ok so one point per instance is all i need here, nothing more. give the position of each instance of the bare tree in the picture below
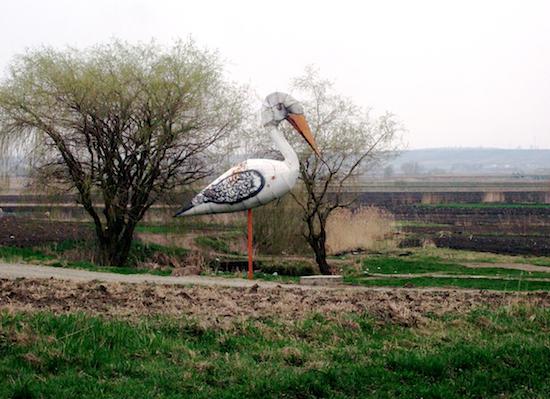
(119, 122)
(351, 141)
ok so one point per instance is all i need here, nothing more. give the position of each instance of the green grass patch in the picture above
(14, 254)
(31, 255)
(482, 354)
(161, 229)
(477, 283)
(112, 269)
(461, 256)
(52, 255)
(419, 263)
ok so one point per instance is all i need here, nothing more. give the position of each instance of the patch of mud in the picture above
(219, 306)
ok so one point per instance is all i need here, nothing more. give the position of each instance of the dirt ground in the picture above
(222, 306)
(22, 231)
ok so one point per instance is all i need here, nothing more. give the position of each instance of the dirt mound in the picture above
(21, 231)
(218, 306)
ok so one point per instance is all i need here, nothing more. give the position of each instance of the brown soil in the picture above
(21, 231)
(503, 230)
(511, 245)
(222, 306)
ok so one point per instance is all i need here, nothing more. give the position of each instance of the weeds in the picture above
(79, 255)
(217, 244)
(485, 353)
(362, 229)
(279, 227)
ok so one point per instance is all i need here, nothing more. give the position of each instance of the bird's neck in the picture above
(291, 159)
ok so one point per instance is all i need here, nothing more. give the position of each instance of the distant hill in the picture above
(432, 161)
(471, 161)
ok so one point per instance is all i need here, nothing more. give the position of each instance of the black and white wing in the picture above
(237, 187)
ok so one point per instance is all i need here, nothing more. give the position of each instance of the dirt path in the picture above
(516, 266)
(26, 271)
(15, 270)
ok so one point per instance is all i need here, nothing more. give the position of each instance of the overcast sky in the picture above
(457, 73)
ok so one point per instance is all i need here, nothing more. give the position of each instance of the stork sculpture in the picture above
(256, 182)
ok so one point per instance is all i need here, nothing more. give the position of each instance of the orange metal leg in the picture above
(250, 270)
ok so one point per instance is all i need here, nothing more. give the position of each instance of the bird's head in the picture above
(280, 106)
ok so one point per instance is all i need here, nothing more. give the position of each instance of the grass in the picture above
(430, 264)
(461, 256)
(445, 262)
(215, 243)
(488, 354)
(478, 283)
(160, 229)
(141, 252)
(279, 278)
(30, 255)
(52, 256)
(14, 254)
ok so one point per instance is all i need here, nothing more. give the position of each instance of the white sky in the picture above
(457, 73)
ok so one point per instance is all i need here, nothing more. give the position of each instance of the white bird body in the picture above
(256, 182)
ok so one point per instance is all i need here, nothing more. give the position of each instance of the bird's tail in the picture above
(184, 209)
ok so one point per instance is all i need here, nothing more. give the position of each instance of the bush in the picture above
(278, 228)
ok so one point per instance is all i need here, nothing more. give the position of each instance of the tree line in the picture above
(130, 123)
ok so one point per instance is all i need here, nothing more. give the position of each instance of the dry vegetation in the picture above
(222, 307)
(279, 228)
(368, 228)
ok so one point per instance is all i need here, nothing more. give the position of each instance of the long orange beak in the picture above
(299, 123)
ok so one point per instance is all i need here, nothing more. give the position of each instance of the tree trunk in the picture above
(115, 244)
(321, 259)
(317, 242)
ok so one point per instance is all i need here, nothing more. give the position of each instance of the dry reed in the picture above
(367, 228)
